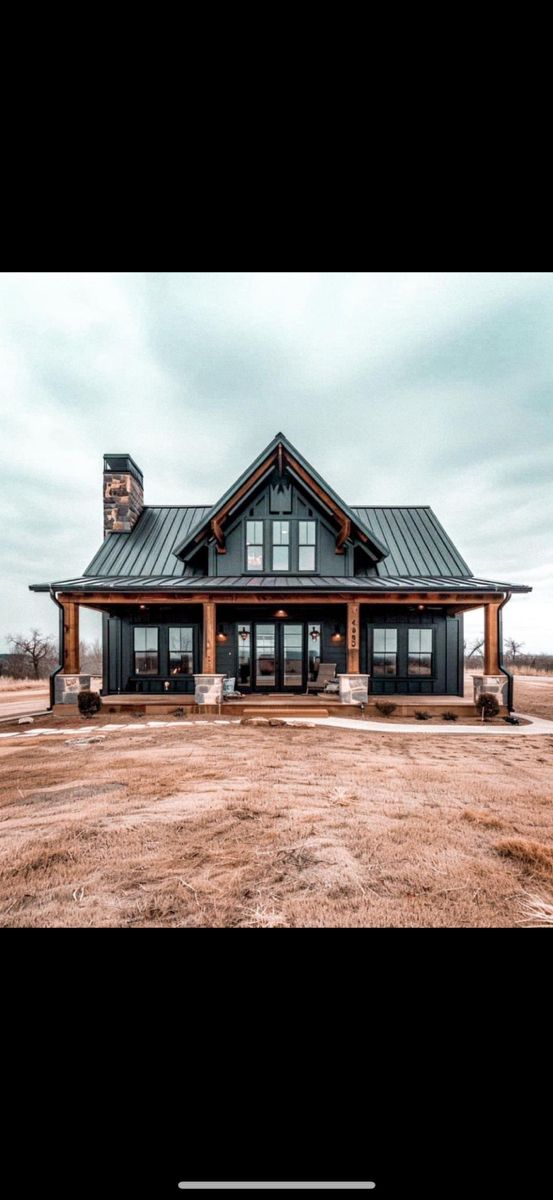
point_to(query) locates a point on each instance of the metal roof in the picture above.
(280, 583)
(417, 542)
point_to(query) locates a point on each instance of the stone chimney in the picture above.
(123, 493)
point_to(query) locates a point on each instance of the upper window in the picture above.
(281, 545)
(146, 658)
(420, 652)
(385, 652)
(181, 650)
(254, 545)
(306, 545)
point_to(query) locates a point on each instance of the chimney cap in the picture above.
(122, 462)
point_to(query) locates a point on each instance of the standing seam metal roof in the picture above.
(417, 542)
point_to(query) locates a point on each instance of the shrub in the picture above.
(487, 705)
(89, 703)
(385, 707)
(421, 715)
(449, 716)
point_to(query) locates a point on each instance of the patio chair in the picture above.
(325, 673)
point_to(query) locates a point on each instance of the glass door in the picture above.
(292, 657)
(265, 656)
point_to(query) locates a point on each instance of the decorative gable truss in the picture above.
(285, 463)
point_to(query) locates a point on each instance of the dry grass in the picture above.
(536, 909)
(7, 684)
(533, 696)
(244, 826)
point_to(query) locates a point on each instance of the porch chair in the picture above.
(325, 673)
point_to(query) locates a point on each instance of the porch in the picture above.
(284, 704)
(407, 646)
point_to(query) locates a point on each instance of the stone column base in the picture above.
(208, 690)
(494, 685)
(67, 687)
(354, 689)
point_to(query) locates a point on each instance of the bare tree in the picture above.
(91, 657)
(35, 649)
(474, 647)
(512, 649)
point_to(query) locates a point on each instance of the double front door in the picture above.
(278, 656)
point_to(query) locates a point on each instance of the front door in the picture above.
(278, 654)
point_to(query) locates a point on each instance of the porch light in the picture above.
(336, 636)
(280, 612)
(420, 607)
(221, 635)
(244, 634)
(314, 634)
(142, 606)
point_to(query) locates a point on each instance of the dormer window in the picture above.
(254, 545)
(281, 545)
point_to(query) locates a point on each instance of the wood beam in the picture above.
(353, 637)
(209, 665)
(71, 665)
(223, 512)
(343, 521)
(491, 638)
(113, 599)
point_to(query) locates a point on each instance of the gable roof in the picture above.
(280, 452)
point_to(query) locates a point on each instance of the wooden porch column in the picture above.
(352, 641)
(209, 665)
(71, 665)
(491, 638)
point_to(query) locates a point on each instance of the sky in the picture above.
(415, 388)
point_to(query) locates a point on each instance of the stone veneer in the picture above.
(494, 685)
(354, 689)
(67, 687)
(208, 689)
(123, 501)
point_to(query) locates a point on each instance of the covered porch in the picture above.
(272, 644)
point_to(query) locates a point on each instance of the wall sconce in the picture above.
(244, 634)
(280, 612)
(336, 636)
(221, 635)
(420, 607)
(315, 634)
(142, 606)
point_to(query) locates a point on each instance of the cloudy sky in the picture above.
(400, 388)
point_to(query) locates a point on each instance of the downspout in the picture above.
(510, 681)
(61, 649)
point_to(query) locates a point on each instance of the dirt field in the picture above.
(235, 825)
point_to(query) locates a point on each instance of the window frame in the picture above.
(385, 629)
(255, 570)
(191, 652)
(307, 545)
(145, 651)
(421, 675)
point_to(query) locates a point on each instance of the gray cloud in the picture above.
(424, 388)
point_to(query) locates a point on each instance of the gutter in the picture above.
(61, 649)
(510, 681)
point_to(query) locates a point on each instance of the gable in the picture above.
(279, 465)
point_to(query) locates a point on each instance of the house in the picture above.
(279, 575)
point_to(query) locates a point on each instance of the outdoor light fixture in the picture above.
(336, 636)
(420, 607)
(280, 612)
(221, 635)
(244, 634)
(314, 634)
(142, 606)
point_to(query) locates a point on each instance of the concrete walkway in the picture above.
(86, 732)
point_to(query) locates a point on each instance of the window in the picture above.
(281, 545)
(385, 652)
(181, 650)
(420, 652)
(306, 545)
(146, 659)
(244, 655)
(313, 650)
(254, 545)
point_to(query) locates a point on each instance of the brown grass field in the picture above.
(244, 826)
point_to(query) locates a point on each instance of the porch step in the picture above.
(276, 710)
